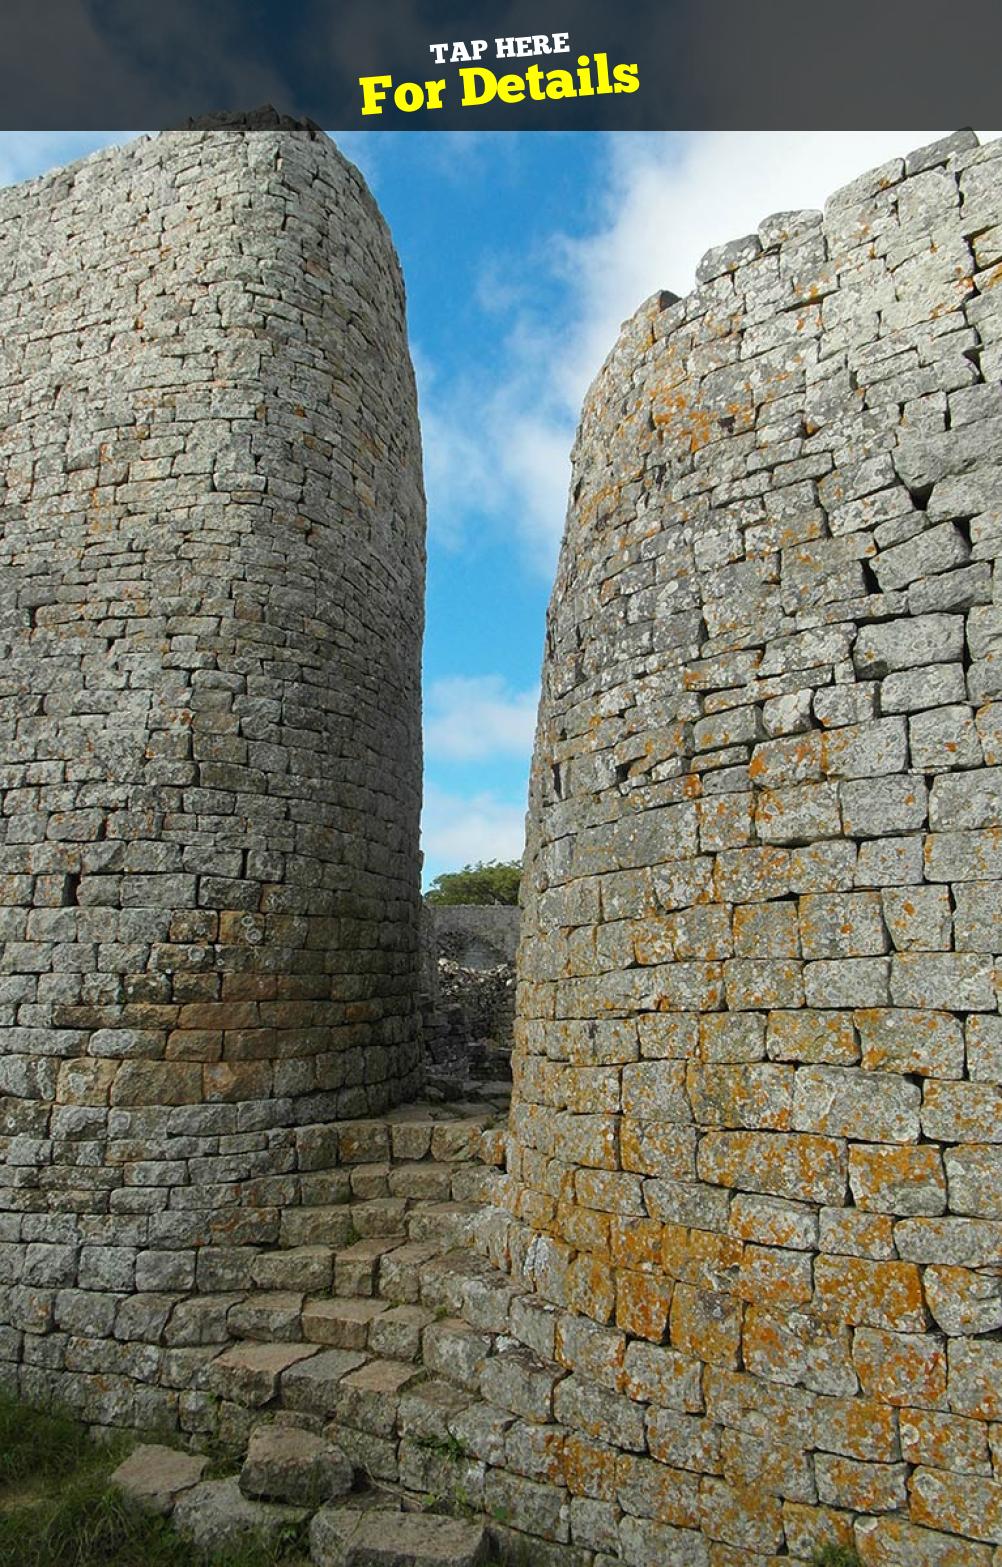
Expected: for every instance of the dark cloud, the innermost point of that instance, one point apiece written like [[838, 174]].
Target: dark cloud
[[107, 64]]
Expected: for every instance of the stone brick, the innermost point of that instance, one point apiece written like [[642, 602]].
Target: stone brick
[[901, 1368], [944, 738], [866, 1488], [899, 1180], [943, 1441], [894, 1542], [843, 1103], [962, 1112], [918, 918], [963, 1301], [883, 805], [668, 1378], [963, 980], [974, 1180], [799, 1347], [975, 1384], [908, 644], [964, 1504], [804, 1166], [872, 1294], [599, 1414], [846, 925]]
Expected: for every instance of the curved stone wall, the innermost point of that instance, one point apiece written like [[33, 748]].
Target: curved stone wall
[[211, 608], [755, 1157]]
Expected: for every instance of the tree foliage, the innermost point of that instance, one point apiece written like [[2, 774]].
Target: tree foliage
[[493, 881]]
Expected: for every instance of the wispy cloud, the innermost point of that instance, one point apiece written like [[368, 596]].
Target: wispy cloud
[[478, 718], [460, 830], [498, 443]]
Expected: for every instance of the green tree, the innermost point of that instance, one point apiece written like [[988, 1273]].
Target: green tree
[[495, 881]]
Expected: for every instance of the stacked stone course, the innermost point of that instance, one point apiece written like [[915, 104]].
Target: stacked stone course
[[755, 1165], [211, 606]]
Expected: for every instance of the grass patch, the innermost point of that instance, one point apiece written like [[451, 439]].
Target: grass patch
[[57, 1508], [39, 1447], [835, 1556]]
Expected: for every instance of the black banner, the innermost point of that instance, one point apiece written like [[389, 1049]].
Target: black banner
[[512, 65]]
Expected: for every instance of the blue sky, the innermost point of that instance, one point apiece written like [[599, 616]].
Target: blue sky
[[522, 253]]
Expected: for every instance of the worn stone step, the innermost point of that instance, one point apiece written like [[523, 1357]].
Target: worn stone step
[[320, 1224], [369, 1180], [399, 1279], [306, 1268], [357, 1267], [381, 1216], [473, 1182], [428, 1408], [449, 1136], [325, 1188], [250, 1374], [452, 1349], [341, 1324], [345, 1537], [396, 1331], [445, 1275], [287, 1464], [270, 1316], [216, 1517], [445, 1223], [311, 1385], [424, 1180], [369, 1398]]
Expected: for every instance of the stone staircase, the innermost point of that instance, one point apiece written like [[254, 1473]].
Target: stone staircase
[[384, 1331]]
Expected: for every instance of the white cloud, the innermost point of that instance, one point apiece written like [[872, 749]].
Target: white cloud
[[474, 718], [502, 447], [459, 830]]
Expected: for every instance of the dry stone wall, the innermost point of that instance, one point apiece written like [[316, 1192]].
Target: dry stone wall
[[755, 1168], [211, 601]]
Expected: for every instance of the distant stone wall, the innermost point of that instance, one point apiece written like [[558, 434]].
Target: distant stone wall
[[478, 935], [755, 1163], [469, 983], [211, 603]]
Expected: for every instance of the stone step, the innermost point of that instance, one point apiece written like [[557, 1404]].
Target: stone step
[[357, 1269], [350, 1537], [381, 1216], [409, 1135], [341, 1323], [445, 1223]]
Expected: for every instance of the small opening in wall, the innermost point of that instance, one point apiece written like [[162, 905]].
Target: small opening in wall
[[557, 788], [870, 582], [974, 355], [920, 494], [963, 527], [71, 890]]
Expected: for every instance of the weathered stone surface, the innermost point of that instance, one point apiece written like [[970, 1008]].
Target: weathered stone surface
[[764, 845], [312, 1384], [250, 1373], [343, 1537], [216, 1517], [156, 1476], [286, 1464], [215, 894]]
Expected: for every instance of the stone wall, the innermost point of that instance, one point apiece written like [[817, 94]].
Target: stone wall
[[210, 618], [468, 982], [477, 935], [755, 1167]]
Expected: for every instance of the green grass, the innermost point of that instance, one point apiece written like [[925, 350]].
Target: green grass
[[835, 1556], [58, 1510]]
